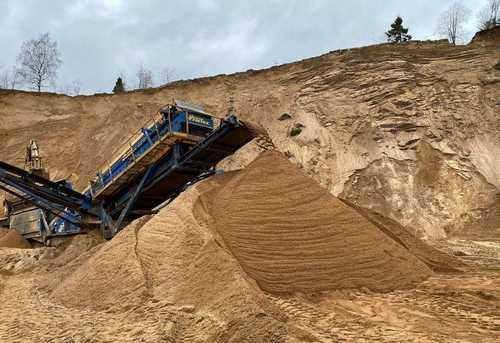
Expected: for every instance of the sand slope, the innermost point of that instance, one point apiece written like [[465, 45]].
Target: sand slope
[[290, 234], [12, 239], [435, 259], [196, 273], [199, 254]]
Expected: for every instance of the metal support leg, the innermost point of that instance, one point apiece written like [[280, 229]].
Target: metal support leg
[[133, 198], [106, 224], [177, 152]]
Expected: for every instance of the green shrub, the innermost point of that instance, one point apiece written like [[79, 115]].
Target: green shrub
[[295, 131], [119, 87]]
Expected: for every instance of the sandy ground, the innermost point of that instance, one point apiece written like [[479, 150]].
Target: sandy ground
[[188, 274], [445, 308]]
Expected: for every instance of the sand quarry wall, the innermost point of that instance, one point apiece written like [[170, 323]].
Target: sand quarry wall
[[364, 115], [223, 241]]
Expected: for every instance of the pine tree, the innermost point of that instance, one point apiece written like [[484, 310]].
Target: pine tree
[[119, 88], [398, 33]]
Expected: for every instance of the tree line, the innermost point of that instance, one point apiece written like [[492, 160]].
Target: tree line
[[452, 22], [144, 78], [39, 59]]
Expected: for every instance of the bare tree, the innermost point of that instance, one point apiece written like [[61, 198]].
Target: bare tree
[[15, 77], [76, 87], [489, 16], [10, 78], [38, 61], [144, 78], [72, 89], [452, 22], [4, 80], [167, 75]]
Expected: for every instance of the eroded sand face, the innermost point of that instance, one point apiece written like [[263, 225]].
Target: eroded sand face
[[372, 120]]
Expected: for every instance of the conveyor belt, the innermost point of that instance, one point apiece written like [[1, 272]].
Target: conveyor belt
[[184, 163], [155, 168]]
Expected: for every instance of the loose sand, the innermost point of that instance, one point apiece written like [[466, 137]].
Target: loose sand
[[290, 234], [195, 273], [12, 239], [435, 259], [268, 224]]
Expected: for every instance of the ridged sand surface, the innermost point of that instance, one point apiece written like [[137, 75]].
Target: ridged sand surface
[[290, 234]]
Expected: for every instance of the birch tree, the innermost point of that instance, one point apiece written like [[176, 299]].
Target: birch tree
[[38, 61], [452, 22], [489, 16], [144, 78]]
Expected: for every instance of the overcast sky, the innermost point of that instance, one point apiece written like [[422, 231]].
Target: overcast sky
[[99, 39]]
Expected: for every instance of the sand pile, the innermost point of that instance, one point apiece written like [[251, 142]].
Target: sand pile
[[104, 275], [289, 234], [174, 261], [268, 225], [169, 258], [205, 258], [12, 239], [3, 232]]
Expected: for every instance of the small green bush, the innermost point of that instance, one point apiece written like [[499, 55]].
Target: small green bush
[[119, 87], [295, 131]]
